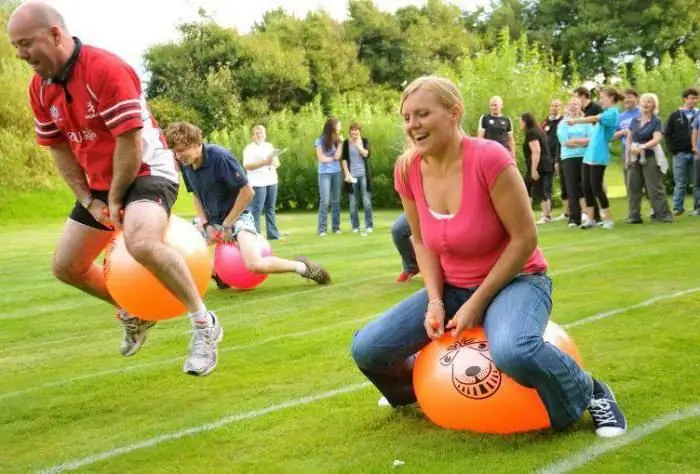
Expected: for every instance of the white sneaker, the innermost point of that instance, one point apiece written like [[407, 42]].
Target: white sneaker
[[572, 225], [560, 217], [383, 402], [321, 234], [135, 332], [543, 220], [204, 348], [369, 230], [336, 231], [607, 224], [356, 230]]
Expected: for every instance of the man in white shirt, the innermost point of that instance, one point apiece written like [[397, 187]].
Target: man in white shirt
[[260, 160]]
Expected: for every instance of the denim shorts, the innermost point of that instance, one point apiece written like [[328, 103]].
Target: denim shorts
[[245, 222]]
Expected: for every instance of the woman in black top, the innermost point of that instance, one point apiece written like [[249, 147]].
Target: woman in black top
[[539, 165], [644, 134]]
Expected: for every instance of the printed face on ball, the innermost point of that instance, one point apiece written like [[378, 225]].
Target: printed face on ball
[[474, 375]]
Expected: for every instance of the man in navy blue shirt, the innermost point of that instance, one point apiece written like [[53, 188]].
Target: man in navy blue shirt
[[221, 194]]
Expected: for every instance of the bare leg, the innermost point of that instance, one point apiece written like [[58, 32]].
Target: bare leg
[[74, 259], [248, 244], [145, 223]]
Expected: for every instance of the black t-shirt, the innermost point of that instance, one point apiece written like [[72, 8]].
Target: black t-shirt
[[546, 165], [550, 126], [592, 109], [496, 129]]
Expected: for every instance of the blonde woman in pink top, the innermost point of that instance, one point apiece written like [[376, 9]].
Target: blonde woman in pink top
[[476, 244]]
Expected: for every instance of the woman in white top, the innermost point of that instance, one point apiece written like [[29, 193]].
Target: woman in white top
[[260, 159]]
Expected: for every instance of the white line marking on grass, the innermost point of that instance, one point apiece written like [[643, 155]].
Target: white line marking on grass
[[90, 302], [641, 304], [248, 415], [244, 416], [135, 367], [603, 447], [145, 365]]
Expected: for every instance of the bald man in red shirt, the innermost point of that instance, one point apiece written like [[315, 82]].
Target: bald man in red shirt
[[90, 112]]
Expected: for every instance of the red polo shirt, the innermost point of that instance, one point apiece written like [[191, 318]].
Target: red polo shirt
[[96, 98]]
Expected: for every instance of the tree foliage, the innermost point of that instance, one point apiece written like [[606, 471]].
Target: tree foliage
[[291, 72]]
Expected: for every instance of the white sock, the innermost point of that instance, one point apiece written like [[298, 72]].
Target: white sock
[[202, 318], [300, 268]]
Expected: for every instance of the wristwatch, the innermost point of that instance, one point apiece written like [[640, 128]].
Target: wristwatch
[[85, 202]]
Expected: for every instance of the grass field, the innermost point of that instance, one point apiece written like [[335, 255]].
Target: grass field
[[286, 396]]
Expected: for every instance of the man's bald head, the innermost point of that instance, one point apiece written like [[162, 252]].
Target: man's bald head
[[38, 32], [39, 15]]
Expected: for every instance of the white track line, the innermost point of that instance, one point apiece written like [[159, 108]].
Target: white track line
[[52, 307], [602, 447], [145, 365], [641, 304], [248, 415], [86, 461], [301, 292]]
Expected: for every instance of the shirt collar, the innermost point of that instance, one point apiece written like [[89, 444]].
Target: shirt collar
[[67, 69]]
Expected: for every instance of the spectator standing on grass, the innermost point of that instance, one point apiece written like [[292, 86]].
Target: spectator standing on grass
[[597, 157], [261, 160], [695, 138], [476, 243], [645, 166], [574, 140], [330, 177], [494, 126], [679, 143], [550, 126], [358, 177], [539, 165], [589, 108], [630, 111]]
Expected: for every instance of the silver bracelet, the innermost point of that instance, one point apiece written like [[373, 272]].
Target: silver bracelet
[[437, 302]]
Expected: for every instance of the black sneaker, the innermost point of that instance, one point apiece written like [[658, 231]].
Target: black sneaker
[[219, 282], [608, 418]]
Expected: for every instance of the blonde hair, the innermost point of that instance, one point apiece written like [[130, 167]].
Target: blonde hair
[[496, 98], [573, 98], [257, 127], [653, 97], [183, 134], [448, 96]]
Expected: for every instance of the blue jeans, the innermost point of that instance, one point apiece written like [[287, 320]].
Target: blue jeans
[[329, 185], [360, 187], [265, 199], [682, 167], [514, 323], [401, 234]]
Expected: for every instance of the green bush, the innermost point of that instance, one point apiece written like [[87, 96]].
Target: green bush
[[526, 79], [22, 162]]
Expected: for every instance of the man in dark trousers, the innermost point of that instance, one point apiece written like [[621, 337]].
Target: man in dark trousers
[[678, 139]]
